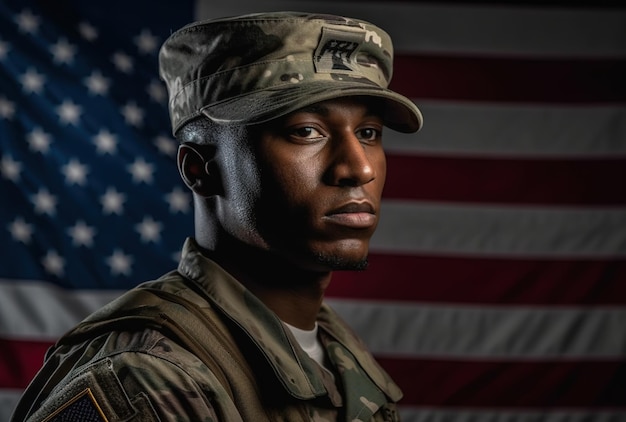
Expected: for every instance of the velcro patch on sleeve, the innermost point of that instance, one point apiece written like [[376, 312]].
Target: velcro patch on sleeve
[[81, 408]]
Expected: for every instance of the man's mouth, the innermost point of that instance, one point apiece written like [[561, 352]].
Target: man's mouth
[[356, 215]]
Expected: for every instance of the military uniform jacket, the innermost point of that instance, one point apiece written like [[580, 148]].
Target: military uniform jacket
[[195, 345]]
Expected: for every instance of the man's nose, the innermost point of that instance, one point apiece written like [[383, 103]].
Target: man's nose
[[350, 163]]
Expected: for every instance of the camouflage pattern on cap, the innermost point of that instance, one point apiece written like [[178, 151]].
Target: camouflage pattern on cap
[[254, 68]]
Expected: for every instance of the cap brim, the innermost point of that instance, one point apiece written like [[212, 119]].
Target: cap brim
[[400, 113]]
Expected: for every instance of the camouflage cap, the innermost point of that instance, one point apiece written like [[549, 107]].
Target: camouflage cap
[[255, 68]]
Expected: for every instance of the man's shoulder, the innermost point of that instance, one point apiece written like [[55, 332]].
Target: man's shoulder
[[142, 331], [129, 354], [143, 306], [124, 375]]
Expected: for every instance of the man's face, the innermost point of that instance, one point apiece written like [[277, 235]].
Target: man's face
[[308, 186]]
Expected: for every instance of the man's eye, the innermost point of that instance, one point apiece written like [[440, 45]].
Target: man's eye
[[368, 134], [306, 132]]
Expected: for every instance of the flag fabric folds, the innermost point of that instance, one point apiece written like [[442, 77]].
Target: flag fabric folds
[[496, 288]]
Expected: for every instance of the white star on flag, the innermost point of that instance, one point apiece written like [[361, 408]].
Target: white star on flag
[[133, 114], [32, 82], [45, 202], [54, 263], [69, 112], [4, 49], [7, 108], [20, 230], [97, 84], [27, 22], [120, 263], [178, 200], [146, 42], [123, 62], [75, 173], [157, 92], [141, 171], [10, 169], [106, 142], [39, 141], [63, 52], [82, 234], [87, 31], [113, 202], [149, 230], [165, 145]]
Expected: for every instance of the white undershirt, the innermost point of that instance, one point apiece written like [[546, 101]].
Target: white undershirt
[[310, 343]]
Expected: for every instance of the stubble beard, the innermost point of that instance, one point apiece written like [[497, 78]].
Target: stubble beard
[[338, 263]]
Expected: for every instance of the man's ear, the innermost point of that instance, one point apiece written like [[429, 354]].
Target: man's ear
[[196, 168]]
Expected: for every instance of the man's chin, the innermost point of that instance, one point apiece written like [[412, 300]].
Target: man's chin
[[340, 263]]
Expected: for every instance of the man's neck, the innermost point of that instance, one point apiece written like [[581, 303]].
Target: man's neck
[[297, 306], [293, 293]]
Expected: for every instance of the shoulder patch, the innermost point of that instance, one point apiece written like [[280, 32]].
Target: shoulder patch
[[83, 407]]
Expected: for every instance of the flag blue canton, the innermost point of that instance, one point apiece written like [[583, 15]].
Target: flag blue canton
[[90, 194]]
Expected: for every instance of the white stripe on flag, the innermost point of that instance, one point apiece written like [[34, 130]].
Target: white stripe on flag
[[461, 331], [8, 401], [411, 227], [422, 414], [486, 332], [42, 311], [553, 32], [515, 130]]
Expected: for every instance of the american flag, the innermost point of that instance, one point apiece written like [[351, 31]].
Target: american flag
[[497, 281]]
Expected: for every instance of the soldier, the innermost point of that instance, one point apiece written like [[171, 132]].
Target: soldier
[[280, 119]]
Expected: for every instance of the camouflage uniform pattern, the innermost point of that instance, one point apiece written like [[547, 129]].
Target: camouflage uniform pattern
[[195, 345], [254, 68]]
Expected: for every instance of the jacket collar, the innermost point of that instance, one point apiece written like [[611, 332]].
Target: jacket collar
[[296, 371]]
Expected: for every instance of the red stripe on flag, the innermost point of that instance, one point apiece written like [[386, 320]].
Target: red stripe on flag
[[509, 181], [510, 79], [518, 384], [486, 281], [20, 360]]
